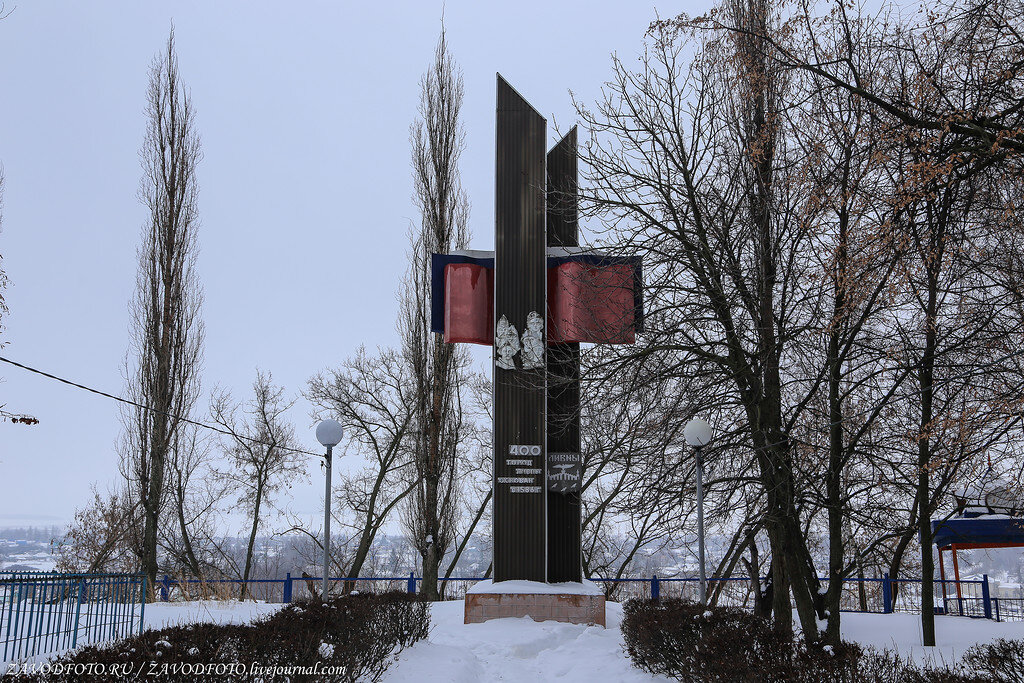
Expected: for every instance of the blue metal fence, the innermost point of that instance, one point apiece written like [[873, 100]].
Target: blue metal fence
[[969, 598], [46, 612]]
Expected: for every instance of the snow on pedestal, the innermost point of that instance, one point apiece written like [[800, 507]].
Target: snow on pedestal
[[574, 603], [536, 588]]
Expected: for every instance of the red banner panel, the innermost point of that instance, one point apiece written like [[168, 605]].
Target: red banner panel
[[468, 304], [589, 303]]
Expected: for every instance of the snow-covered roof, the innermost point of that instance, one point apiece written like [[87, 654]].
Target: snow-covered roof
[[990, 494]]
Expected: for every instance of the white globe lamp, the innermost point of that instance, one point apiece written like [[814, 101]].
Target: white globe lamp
[[697, 433], [329, 433]]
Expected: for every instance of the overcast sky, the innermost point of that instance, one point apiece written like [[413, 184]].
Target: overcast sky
[[304, 112]]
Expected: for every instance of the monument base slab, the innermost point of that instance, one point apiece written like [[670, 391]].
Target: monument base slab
[[572, 603]]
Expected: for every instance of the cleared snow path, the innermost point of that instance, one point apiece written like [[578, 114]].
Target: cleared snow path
[[516, 650]]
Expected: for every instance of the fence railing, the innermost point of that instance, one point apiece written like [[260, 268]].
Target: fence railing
[[968, 598], [45, 612]]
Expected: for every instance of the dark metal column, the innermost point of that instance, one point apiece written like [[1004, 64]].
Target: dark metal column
[[520, 284], [563, 361]]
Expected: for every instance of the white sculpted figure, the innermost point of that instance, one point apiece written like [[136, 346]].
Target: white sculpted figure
[[506, 344], [533, 342]]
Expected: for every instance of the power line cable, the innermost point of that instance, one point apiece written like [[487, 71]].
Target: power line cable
[[204, 425], [973, 371]]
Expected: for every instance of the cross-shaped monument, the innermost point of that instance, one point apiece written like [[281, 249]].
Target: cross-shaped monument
[[535, 298]]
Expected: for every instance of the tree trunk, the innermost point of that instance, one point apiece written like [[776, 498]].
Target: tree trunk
[[836, 448], [465, 539], [803, 580], [728, 564], [763, 599], [151, 508], [923, 464], [366, 536], [861, 591], [186, 540], [149, 566], [432, 554], [782, 611], [252, 538], [896, 562]]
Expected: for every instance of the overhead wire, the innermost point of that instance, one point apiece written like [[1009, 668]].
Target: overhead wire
[[136, 404], [788, 440]]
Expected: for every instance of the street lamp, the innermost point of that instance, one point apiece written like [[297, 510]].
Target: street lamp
[[697, 433], [329, 433]]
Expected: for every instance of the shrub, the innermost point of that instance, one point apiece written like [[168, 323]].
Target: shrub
[[1002, 660], [689, 642], [353, 638]]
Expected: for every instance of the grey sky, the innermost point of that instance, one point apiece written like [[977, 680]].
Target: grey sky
[[304, 111]]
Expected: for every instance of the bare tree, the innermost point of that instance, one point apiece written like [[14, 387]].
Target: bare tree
[[849, 265], [687, 164], [261, 450], [790, 245], [103, 537], [437, 369], [634, 462], [372, 396], [189, 535], [475, 472], [163, 373]]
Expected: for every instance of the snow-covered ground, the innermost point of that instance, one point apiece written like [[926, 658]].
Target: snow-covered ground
[[524, 650], [161, 614], [902, 632], [516, 650]]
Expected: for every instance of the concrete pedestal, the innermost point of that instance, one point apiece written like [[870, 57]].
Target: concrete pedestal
[[573, 603]]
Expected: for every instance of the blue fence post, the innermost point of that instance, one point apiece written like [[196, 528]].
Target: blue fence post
[[287, 597], [985, 596], [165, 588], [886, 594], [411, 588], [78, 612], [142, 612], [655, 589]]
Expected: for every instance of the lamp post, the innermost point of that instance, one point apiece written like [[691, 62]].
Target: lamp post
[[697, 433], [329, 433]]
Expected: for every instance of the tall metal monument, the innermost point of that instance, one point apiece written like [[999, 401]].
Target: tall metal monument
[[535, 298], [520, 389], [563, 382]]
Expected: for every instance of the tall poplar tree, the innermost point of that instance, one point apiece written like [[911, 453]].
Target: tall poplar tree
[[163, 373], [438, 369]]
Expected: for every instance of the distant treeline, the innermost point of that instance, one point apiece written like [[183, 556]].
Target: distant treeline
[[31, 533]]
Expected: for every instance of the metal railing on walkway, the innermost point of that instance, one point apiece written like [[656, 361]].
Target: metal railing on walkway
[[45, 612]]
